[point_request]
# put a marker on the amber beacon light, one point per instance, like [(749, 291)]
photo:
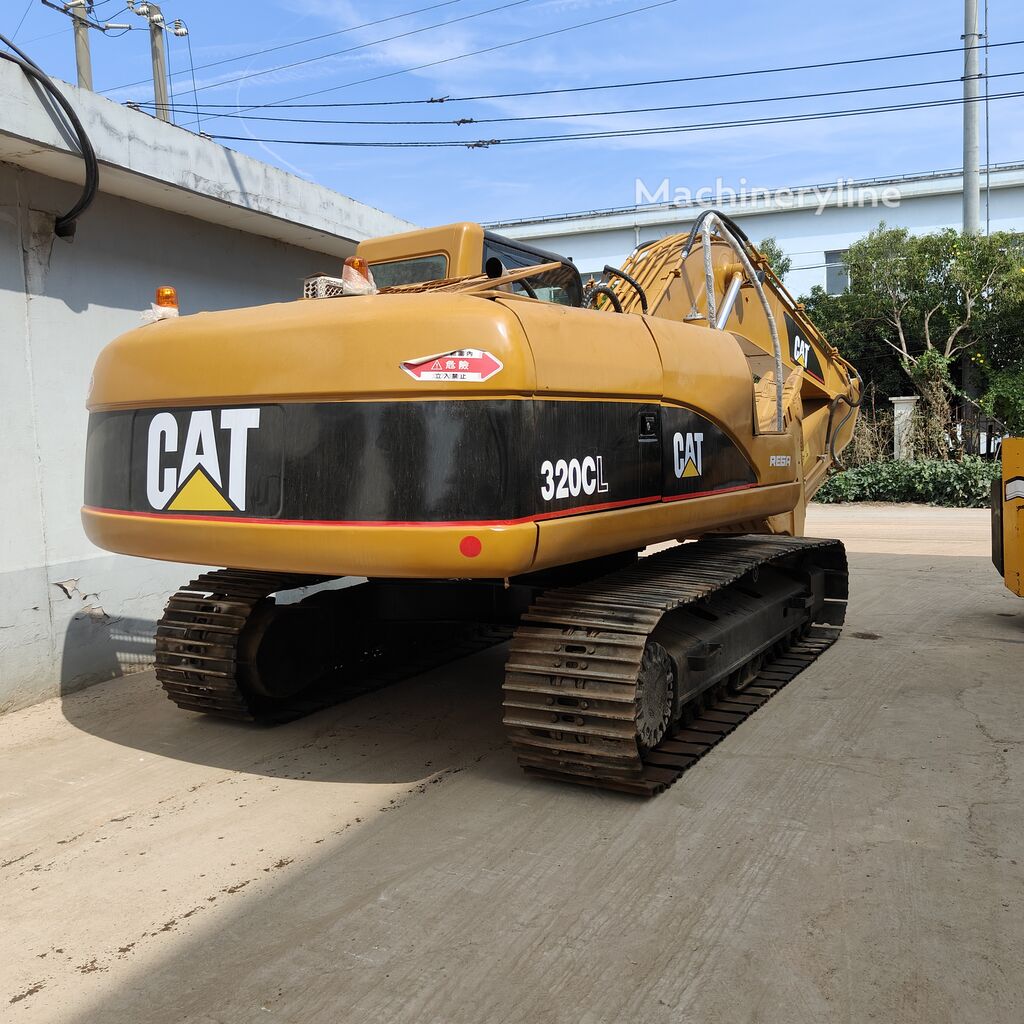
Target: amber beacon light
[(167, 297), (359, 265)]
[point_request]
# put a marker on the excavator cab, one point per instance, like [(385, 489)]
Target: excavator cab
[(457, 251)]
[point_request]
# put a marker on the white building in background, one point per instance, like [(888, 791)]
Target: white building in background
[(174, 209), (814, 224)]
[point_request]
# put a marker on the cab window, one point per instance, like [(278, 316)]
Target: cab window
[(411, 271), (561, 285)]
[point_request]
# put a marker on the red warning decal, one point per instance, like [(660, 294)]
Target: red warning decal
[(469, 364)]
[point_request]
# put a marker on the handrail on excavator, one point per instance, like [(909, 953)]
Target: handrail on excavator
[(721, 223)]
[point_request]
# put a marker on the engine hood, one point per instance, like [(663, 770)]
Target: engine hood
[(319, 350)]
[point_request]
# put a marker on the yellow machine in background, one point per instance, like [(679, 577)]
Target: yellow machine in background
[(1008, 516), (491, 444)]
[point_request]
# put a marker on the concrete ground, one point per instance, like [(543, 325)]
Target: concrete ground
[(852, 853)]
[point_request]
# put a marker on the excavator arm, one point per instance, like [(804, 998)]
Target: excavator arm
[(713, 276)]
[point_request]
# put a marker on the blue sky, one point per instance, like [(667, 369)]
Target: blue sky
[(679, 39)]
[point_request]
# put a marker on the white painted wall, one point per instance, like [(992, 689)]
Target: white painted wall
[(173, 208), (71, 614)]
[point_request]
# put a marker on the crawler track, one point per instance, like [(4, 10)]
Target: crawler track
[(572, 681), (571, 686), (204, 656)]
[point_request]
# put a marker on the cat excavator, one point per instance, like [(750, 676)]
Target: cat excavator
[(457, 441)]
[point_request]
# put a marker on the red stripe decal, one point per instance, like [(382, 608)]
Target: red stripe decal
[(704, 494), (541, 516)]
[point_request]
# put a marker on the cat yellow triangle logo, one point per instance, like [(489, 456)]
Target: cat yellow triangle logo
[(198, 494), (688, 454)]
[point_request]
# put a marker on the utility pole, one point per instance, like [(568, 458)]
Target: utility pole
[(972, 80), (155, 17), (79, 14), (156, 44), (78, 11)]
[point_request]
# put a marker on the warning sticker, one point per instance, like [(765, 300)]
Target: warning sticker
[(466, 364)]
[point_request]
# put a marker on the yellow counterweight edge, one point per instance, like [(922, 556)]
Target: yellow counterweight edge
[(422, 552), (426, 551), (567, 540)]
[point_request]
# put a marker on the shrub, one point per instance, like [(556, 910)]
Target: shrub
[(872, 436), (963, 484)]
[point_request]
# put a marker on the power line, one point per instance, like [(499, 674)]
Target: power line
[(49, 35), (287, 104), (362, 46), (600, 113), (621, 134), (17, 29), (170, 71), (472, 53), (302, 42), (192, 68)]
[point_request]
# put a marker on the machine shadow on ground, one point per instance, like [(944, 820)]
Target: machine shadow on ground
[(99, 647), (402, 733), (470, 901), (409, 730)]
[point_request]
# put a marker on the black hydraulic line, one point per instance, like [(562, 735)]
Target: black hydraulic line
[(603, 289), (65, 224), (527, 287), (833, 405), (726, 220), (635, 285)]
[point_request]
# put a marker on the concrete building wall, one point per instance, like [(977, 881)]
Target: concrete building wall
[(805, 222), (224, 229), (71, 614)]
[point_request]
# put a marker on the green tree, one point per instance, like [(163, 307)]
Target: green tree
[(777, 259), (918, 303), (936, 293)]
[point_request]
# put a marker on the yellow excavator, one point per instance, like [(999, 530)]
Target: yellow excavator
[(457, 438)]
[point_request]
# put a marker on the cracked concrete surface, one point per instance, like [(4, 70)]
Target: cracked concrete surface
[(852, 853)]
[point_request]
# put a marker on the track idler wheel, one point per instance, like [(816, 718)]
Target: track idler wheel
[(655, 696)]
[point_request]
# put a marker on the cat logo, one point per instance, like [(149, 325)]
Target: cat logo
[(194, 477), (688, 450), (801, 349)]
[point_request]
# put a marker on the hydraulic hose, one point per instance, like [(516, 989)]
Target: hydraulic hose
[(833, 405), (697, 224), (634, 284), (603, 289), (65, 224)]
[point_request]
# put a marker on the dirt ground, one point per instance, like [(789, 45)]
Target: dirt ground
[(852, 853)]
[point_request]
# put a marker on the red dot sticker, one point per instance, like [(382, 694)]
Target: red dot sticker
[(470, 546)]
